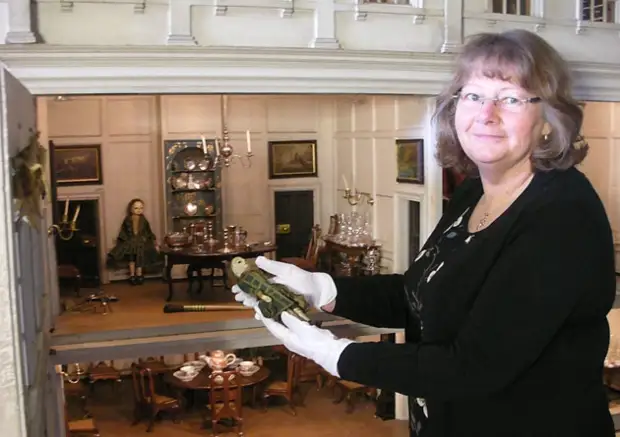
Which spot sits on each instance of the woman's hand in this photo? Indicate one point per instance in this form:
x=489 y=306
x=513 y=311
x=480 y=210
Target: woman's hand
x=318 y=288
x=319 y=345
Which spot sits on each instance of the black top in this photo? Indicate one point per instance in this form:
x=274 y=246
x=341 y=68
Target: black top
x=506 y=328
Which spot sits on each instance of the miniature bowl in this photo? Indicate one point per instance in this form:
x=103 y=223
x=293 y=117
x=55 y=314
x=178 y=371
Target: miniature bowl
x=177 y=240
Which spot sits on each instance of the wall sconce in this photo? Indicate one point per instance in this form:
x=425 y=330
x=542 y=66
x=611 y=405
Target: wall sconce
x=65 y=229
x=354 y=197
x=75 y=376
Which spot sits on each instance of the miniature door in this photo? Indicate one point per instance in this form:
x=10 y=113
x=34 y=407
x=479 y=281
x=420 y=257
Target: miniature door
x=28 y=281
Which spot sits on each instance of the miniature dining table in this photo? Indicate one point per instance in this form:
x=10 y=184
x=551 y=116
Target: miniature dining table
x=202 y=381
x=210 y=257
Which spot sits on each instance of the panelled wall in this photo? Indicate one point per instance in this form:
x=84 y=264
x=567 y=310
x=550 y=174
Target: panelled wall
x=127 y=128
x=365 y=154
x=355 y=137
x=602 y=166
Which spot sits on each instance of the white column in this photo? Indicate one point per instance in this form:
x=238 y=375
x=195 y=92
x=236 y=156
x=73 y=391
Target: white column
x=453 y=26
x=325 y=26
x=20 y=23
x=180 y=23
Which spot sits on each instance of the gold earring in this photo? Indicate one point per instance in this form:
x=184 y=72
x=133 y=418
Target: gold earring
x=546 y=137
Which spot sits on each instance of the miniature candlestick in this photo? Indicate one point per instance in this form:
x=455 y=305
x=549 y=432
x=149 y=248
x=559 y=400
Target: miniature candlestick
x=65 y=215
x=77 y=212
x=204 y=144
x=247 y=138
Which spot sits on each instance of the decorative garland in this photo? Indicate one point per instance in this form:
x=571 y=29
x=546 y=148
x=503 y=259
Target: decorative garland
x=28 y=180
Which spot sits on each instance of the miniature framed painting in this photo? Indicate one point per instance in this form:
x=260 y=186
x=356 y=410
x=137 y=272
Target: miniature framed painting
x=292 y=159
x=410 y=161
x=78 y=165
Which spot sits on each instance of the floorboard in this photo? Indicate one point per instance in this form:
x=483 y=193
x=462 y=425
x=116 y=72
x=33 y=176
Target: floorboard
x=112 y=412
x=142 y=307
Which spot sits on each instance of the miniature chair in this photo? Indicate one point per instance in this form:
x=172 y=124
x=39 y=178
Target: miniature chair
x=80 y=428
x=225 y=400
x=289 y=388
x=147 y=401
x=69 y=272
x=100 y=371
x=309 y=262
x=156 y=365
x=350 y=390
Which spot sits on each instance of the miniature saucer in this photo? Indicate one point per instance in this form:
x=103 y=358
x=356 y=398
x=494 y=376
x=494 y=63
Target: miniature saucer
x=184 y=376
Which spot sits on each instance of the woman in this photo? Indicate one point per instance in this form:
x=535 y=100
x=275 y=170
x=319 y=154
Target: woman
x=504 y=308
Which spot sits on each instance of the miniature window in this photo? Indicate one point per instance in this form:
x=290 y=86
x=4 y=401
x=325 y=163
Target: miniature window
x=598 y=11
x=512 y=7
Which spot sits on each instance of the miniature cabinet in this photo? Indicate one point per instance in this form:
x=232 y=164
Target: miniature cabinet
x=193 y=185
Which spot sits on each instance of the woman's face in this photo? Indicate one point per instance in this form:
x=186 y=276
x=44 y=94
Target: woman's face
x=497 y=135
x=137 y=208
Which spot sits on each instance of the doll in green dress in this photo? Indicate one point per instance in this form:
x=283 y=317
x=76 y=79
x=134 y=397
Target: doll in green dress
x=136 y=244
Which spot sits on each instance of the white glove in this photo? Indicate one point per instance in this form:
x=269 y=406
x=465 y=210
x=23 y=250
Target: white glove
x=319 y=345
x=241 y=296
x=318 y=288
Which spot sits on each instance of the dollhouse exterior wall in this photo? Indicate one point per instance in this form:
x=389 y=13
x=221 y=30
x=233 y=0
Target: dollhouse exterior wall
x=428 y=26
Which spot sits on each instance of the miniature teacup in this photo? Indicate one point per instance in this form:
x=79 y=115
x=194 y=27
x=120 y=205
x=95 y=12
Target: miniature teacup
x=246 y=366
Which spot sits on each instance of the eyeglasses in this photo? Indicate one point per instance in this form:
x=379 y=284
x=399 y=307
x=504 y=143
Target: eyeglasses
x=506 y=103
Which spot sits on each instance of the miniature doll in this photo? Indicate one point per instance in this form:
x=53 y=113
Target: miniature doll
x=136 y=244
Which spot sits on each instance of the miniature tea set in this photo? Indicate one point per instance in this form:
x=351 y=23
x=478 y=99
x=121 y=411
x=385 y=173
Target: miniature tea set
x=217 y=361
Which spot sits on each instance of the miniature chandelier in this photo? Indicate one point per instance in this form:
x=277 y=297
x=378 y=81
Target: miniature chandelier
x=224 y=152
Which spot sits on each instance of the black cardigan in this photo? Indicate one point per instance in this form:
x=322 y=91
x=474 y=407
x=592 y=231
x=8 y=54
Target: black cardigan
x=515 y=332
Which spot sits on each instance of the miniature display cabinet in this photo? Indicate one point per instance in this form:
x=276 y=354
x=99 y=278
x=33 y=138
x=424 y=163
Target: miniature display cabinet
x=193 y=185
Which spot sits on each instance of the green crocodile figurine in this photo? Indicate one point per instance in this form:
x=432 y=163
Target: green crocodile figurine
x=273 y=299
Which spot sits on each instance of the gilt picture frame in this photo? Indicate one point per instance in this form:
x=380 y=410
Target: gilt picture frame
x=410 y=161
x=292 y=159
x=78 y=164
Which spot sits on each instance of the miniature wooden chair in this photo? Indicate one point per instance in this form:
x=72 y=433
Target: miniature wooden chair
x=225 y=400
x=148 y=403
x=69 y=272
x=350 y=391
x=100 y=371
x=289 y=388
x=156 y=365
x=309 y=262
x=81 y=427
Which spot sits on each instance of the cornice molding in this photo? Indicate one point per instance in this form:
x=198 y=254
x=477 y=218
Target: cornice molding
x=47 y=69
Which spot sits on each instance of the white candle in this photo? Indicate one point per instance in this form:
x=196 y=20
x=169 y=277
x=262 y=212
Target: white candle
x=66 y=213
x=346 y=186
x=77 y=212
x=217 y=147
x=204 y=144
x=247 y=139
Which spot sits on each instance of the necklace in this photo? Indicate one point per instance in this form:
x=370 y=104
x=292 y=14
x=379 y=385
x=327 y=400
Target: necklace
x=483 y=221
x=509 y=198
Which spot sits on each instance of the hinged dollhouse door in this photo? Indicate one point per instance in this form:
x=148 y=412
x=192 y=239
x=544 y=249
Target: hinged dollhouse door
x=27 y=277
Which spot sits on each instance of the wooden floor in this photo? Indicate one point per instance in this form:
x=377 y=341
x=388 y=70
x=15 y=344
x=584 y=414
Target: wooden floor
x=141 y=307
x=319 y=417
